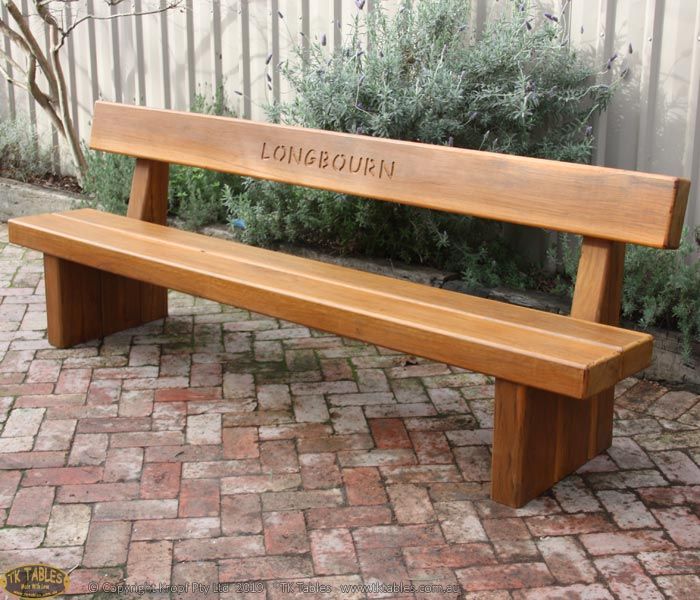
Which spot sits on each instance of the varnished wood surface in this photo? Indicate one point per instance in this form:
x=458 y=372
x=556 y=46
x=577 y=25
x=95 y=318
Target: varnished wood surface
x=73 y=302
x=552 y=352
x=148 y=200
x=134 y=302
x=541 y=437
x=600 y=202
x=598 y=297
x=525 y=443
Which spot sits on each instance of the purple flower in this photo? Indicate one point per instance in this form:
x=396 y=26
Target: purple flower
x=279 y=12
x=589 y=131
x=611 y=60
x=629 y=48
x=268 y=59
x=551 y=17
x=324 y=40
x=360 y=4
x=528 y=25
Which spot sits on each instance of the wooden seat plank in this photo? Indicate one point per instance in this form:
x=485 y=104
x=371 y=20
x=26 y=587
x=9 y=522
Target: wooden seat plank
x=394 y=289
x=447 y=326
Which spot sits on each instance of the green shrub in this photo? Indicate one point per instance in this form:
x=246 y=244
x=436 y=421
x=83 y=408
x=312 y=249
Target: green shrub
x=22 y=156
x=661 y=287
x=418 y=76
x=108 y=180
x=195 y=195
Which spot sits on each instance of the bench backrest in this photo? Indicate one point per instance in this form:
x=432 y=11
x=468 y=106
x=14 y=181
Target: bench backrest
x=598 y=202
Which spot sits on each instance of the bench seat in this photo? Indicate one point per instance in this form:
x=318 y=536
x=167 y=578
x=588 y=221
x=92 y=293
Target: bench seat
x=551 y=352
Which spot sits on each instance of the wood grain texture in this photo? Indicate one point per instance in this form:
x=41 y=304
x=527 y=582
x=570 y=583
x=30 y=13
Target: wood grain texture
x=575 y=431
x=127 y=302
x=598 y=297
x=526 y=346
x=73 y=302
x=524 y=454
x=148 y=200
x=600 y=202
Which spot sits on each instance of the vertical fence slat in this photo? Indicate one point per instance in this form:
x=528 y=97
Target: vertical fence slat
x=649 y=80
x=245 y=58
x=191 y=49
x=10 y=71
x=691 y=154
x=231 y=50
x=30 y=102
x=273 y=65
x=165 y=55
x=116 y=54
x=217 y=49
x=94 y=77
x=142 y=97
x=305 y=27
x=604 y=49
x=337 y=23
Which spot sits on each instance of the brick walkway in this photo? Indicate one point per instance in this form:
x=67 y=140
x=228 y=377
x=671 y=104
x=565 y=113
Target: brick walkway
x=222 y=446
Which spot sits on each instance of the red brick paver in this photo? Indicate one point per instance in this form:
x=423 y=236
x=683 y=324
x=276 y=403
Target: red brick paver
x=223 y=448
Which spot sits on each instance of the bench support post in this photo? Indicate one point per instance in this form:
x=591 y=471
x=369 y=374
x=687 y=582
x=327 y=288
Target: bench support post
x=84 y=303
x=540 y=437
x=73 y=302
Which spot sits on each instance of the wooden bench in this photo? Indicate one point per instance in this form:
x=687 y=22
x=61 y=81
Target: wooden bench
x=554 y=374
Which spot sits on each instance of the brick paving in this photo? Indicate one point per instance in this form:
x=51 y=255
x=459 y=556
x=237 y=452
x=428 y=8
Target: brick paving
x=223 y=447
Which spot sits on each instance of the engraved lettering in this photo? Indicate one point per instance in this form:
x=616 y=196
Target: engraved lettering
x=323 y=160
x=310 y=158
x=280 y=153
x=295 y=157
x=384 y=169
x=339 y=162
x=359 y=164
x=354 y=164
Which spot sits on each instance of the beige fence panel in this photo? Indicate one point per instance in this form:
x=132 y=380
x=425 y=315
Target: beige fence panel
x=165 y=59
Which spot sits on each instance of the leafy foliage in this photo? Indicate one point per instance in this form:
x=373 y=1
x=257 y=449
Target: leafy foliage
x=22 y=155
x=195 y=195
x=418 y=75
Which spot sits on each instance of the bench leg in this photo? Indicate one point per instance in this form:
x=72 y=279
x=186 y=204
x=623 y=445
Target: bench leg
x=83 y=303
x=540 y=437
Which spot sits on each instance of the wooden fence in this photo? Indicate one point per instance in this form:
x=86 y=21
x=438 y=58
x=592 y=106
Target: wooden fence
x=165 y=59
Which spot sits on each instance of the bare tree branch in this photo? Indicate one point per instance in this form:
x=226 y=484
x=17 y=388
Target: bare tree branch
x=10 y=78
x=56 y=20
x=12 y=62
x=13 y=36
x=35 y=48
x=70 y=28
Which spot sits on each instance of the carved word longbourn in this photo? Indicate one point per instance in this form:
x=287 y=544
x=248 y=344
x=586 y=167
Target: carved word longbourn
x=324 y=160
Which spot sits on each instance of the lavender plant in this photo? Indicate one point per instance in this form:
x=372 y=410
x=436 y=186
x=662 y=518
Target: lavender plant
x=419 y=74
